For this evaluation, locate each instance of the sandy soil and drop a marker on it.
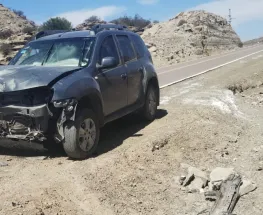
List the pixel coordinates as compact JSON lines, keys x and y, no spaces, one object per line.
{"x":200,"y":123}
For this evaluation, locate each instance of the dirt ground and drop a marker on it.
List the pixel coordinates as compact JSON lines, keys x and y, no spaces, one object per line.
{"x":201,"y":122}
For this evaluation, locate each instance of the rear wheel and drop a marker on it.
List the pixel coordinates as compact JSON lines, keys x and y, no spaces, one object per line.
{"x":82,"y":135}
{"x":150,"y":107}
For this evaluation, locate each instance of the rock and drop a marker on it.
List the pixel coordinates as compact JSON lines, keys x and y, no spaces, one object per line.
{"x":199,"y":52}
{"x":153,"y":49}
{"x":220,"y":174}
{"x":247,"y":187}
{"x":181,"y":22}
{"x":198,"y":28}
{"x":37,"y":158}
{"x":189,"y":178}
{"x":3,"y":164}
{"x":181,"y":179}
{"x":170,"y":57}
{"x":197,"y":184}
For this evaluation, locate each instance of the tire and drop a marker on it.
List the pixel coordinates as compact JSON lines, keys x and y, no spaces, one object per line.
{"x":150,"y":107}
{"x":80,"y":139}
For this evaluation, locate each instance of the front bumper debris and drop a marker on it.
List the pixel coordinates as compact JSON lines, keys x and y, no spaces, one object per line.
{"x":36,"y":123}
{"x":24,"y":123}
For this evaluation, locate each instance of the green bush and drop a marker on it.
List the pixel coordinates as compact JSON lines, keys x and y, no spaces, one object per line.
{"x":56,"y":24}
{"x":93,"y":19}
{"x":19,"y":13}
{"x":240,"y":44}
{"x":6,"y":49}
{"x":28,"y":29}
{"x":6,"y":34}
{"x":136,"y":21}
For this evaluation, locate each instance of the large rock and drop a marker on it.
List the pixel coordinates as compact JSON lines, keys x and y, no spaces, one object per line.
{"x":206,"y":32}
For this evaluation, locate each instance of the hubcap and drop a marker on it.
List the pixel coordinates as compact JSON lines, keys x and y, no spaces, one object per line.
{"x":152,"y":102}
{"x":87,"y":134}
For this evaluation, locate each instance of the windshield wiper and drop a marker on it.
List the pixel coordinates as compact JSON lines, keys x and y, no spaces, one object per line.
{"x":47,"y":55}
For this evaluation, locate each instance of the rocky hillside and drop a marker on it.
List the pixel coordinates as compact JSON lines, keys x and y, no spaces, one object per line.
{"x":15,"y":31}
{"x":253,"y":42}
{"x":190,"y":35}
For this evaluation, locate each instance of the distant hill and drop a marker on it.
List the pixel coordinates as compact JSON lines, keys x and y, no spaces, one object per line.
{"x":192,"y":34}
{"x":15,"y":31}
{"x":254,"y":41}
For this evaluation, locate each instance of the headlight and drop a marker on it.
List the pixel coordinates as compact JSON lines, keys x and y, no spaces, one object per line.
{"x":65,"y":103}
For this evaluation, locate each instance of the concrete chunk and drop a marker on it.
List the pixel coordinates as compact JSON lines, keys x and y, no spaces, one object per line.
{"x":196,"y":184}
{"x":198,"y":173}
{"x":221,"y":174}
{"x":247,"y":187}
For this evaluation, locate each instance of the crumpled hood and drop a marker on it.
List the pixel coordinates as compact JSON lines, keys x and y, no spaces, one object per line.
{"x":14,"y":78}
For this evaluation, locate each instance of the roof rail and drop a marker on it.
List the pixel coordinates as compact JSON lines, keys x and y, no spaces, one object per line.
{"x":103,"y":27}
{"x":48,"y":32}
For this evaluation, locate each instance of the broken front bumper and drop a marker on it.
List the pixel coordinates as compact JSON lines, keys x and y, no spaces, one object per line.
{"x":24,"y":123}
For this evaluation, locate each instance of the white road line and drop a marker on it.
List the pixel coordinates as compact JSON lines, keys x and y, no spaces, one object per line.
{"x":200,"y":73}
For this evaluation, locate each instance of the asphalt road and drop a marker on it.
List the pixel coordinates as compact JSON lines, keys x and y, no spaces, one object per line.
{"x":175,"y":73}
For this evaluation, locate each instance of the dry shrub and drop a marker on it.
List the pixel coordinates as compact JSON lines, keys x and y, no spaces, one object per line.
{"x":243,"y":86}
{"x":6,"y":34}
{"x":5,"y":49}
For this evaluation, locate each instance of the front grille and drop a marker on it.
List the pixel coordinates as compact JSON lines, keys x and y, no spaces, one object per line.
{"x":29,"y":97}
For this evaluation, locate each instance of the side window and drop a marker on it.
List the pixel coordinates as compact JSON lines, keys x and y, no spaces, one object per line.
{"x":139,"y":45}
{"x":126,"y":48}
{"x":108,"y":49}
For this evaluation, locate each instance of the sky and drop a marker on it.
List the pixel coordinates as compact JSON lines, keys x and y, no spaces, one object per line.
{"x":247,"y":14}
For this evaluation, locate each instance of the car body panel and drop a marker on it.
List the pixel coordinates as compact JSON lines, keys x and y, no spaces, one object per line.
{"x":15,"y":78}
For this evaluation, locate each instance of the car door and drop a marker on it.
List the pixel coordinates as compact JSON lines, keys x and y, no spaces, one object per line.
{"x":113,"y":82}
{"x":134,"y":68}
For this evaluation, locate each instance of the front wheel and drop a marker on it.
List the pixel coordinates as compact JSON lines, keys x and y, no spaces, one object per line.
{"x":82,"y":135}
{"x":150,"y":107}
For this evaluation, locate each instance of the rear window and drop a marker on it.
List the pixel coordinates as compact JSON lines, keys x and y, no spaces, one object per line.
{"x":126,"y":48}
{"x":139,"y":46}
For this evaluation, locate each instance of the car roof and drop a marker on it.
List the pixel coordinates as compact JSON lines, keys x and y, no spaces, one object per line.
{"x":83,"y":34}
{"x":70,"y":34}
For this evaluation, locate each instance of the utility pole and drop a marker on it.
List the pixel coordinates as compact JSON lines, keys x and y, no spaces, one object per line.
{"x":230,"y":17}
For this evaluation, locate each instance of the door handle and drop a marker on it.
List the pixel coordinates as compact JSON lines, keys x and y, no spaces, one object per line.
{"x":123,"y":76}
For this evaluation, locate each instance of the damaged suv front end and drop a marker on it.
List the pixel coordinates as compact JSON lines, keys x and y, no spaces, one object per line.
{"x":24,"y":114}
{"x":30,"y":109}
{"x":32,"y":115}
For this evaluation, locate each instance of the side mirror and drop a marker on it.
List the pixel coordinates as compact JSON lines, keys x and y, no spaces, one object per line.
{"x":107,"y":62}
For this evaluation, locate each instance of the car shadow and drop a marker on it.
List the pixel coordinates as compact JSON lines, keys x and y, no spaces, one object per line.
{"x":114,"y":133}
{"x":112,"y":136}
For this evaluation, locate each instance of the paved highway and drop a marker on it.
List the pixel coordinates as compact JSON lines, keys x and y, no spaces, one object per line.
{"x":175,"y":73}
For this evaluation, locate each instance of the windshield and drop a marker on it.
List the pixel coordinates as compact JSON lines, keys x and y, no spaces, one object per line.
{"x":62,"y":52}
